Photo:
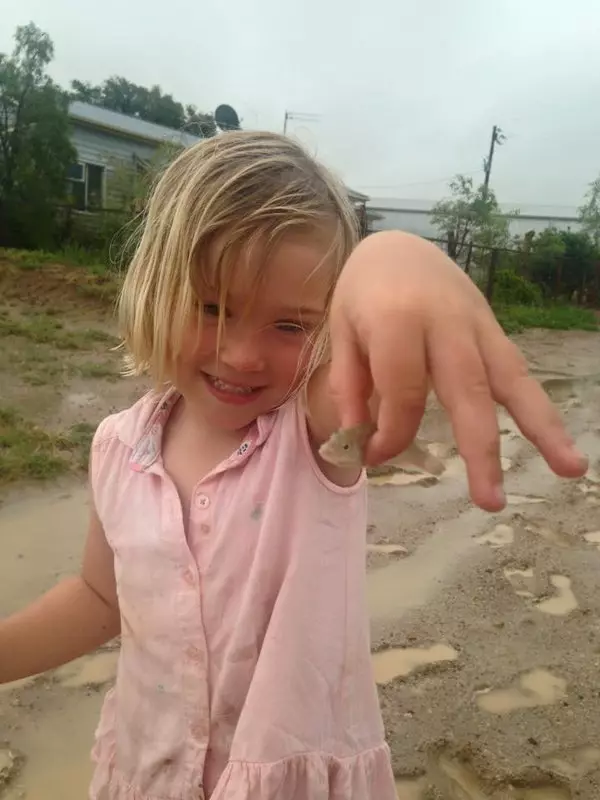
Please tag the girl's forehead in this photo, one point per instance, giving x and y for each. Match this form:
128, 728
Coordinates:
296, 272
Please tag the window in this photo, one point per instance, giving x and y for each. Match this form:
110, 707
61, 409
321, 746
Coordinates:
86, 186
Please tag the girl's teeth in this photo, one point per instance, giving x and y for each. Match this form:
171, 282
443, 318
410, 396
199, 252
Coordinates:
227, 387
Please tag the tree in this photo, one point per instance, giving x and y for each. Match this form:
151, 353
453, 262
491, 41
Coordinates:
562, 263
471, 216
35, 150
131, 180
589, 212
119, 94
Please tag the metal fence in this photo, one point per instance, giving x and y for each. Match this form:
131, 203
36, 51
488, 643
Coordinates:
557, 277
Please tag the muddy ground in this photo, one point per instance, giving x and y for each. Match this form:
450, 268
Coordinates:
485, 628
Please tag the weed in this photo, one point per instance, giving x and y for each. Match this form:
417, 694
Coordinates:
92, 369
26, 451
516, 318
46, 329
79, 440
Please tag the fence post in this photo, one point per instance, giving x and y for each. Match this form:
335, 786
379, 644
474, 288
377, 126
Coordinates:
491, 276
469, 257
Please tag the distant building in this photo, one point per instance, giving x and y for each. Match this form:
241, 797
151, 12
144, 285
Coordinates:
414, 216
103, 138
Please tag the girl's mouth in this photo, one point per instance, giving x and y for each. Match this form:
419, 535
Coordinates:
236, 394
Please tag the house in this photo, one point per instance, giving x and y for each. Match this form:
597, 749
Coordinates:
414, 216
104, 138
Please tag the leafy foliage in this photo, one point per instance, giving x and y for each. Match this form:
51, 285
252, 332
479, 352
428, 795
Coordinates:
513, 289
589, 213
470, 216
118, 94
562, 263
35, 150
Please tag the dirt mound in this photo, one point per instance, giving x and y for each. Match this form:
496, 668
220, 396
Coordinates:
58, 286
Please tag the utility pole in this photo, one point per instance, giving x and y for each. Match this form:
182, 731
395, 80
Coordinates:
498, 138
301, 116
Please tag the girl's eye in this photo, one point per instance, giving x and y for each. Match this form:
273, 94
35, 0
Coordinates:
210, 309
289, 327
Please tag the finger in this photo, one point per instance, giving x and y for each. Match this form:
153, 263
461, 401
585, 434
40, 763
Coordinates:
349, 377
398, 365
462, 386
529, 405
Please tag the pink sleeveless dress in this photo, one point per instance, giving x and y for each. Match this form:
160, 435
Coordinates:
244, 671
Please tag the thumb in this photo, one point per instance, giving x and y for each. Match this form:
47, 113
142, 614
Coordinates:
349, 377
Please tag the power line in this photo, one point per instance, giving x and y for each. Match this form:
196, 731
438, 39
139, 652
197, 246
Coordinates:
417, 183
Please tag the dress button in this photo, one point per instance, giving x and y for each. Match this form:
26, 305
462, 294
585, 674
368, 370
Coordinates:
202, 501
204, 528
189, 577
199, 731
194, 654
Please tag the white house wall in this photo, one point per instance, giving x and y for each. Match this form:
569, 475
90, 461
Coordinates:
419, 221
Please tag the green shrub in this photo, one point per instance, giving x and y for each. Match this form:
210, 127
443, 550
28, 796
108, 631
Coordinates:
512, 289
559, 317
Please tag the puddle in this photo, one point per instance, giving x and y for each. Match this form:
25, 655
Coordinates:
593, 538
500, 536
8, 766
542, 793
456, 780
35, 553
522, 578
455, 467
536, 688
409, 583
402, 479
411, 788
442, 450
573, 763
564, 601
387, 549
93, 670
56, 739
555, 537
399, 662
523, 499
15, 685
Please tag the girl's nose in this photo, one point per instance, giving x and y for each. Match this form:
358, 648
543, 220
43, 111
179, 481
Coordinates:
242, 351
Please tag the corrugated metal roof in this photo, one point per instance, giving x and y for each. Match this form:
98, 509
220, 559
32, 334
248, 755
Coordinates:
131, 126
425, 206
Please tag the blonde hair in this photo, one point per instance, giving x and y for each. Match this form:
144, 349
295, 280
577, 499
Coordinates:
245, 188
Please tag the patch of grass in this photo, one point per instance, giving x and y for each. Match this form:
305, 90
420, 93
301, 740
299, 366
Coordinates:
71, 255
46, 329
79, 441
564, 318
26, 451
93, 369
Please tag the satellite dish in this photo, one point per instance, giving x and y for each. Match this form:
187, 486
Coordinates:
226, 118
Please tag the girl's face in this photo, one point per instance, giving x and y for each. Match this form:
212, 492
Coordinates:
263, 348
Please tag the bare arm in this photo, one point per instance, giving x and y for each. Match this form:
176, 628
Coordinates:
75, 617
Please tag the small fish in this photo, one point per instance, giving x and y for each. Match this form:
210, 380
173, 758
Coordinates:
345, 448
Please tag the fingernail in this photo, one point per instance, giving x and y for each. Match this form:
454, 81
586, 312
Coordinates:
499, 495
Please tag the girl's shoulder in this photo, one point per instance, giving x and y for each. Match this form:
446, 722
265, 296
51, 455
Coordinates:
129, 425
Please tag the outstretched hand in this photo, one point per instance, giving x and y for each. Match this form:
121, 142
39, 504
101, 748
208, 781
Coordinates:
404, 315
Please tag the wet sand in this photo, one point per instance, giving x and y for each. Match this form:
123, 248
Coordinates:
485, 632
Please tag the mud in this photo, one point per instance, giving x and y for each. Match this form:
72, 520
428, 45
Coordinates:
485, 632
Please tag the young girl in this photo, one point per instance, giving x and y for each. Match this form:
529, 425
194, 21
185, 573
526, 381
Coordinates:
227, 554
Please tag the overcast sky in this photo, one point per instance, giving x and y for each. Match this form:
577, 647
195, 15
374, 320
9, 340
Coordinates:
407, 90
